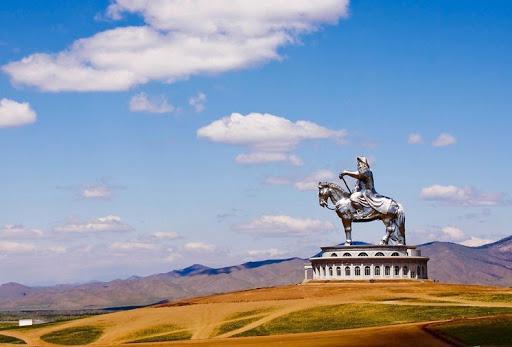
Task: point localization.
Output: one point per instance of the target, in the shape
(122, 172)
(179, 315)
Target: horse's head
(328, 190)
(324, 191)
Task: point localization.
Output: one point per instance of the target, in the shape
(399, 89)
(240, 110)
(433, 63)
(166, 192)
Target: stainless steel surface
(364, 204)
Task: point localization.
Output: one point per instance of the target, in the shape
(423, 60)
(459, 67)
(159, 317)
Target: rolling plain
(311, 314)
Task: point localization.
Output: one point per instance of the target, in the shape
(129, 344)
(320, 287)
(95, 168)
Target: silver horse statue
(364, 204)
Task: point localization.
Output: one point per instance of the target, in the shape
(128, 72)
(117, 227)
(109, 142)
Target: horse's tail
(400, 217)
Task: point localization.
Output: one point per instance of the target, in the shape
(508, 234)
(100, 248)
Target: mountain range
(490, 264)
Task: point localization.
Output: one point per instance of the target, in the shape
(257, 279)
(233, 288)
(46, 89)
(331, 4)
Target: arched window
(334, 255)
(387, 271)
(418, 271)
(406, 271)
(423, 272)
(395, 254)
(367, 271)
(323, 271)
(377, 271)
(362, 254)
(347, 271)
(379, 254)
(397, 270)
(413, 274)
(338, 271)
(357, 271)
(347, 254)
(330, 271)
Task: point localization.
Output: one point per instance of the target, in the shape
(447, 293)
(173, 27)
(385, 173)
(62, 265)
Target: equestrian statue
(363, 204)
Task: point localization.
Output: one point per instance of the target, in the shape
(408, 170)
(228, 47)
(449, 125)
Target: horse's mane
(333, 185)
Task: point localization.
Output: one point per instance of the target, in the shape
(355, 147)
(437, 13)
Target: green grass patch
(348, 316)
(8, 325)
(176, 336)
(11, 340)
(486, 331)
(154, 330)
(73, 336)
(244, 314)
(479, 296)
(233, 325)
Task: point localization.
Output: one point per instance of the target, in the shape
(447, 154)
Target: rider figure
(364, 194)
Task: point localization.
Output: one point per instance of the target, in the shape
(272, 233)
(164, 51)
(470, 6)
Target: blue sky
(105, 173)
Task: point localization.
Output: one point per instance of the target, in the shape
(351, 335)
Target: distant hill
(192, 281)
(449, 262)
(490, 264)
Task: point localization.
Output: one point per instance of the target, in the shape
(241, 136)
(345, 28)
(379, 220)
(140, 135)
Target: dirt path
(403, 335)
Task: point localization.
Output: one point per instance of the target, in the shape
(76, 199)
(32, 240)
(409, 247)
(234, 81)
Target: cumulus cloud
(453, 233)
(14, 114)
(197, 102)
(171, 235)
(132, 245)
(19, 230)
(415, 139)
(109, 223)
(465, 196)
(199, 246)
(271, 252)
(178, 40)
(99, 191)
(141, 102)
(282, 225)
(270, 138)
(476, 241)
(15, 247)
(311, 182)
(444, 140)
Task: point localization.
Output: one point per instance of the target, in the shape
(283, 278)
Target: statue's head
(362, 163)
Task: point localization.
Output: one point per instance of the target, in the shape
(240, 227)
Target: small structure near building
(25, 322)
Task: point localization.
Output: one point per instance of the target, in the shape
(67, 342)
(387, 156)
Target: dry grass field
(313, 314)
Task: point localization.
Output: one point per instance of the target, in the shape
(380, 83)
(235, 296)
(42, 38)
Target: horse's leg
(390, 228)
(347, 224)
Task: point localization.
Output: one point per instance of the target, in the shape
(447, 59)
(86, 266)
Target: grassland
(82, 335)
(496, 331)
(314, 312)
(349, 316)
(11, 340)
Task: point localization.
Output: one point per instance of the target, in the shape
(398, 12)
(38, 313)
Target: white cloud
(268, 157)
(415, 139)
(15, 247)
(166, 235)
(109, 223)
(197, 102)
(311, 182)
(270, 138)
(466, 196)
(199, 246)
(476, 241)
(271, 252)
(453, 233)
(132, 245)
(100, 192)
(172, 255)
(57, 249)
(178, 40)
(444, 140)
(281, 225)
(18, 230)
(13, 113)
(141, 102)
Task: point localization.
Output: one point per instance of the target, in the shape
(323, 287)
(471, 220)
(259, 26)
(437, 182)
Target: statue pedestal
(367, 262)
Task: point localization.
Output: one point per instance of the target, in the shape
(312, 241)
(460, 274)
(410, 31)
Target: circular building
(368, 262)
